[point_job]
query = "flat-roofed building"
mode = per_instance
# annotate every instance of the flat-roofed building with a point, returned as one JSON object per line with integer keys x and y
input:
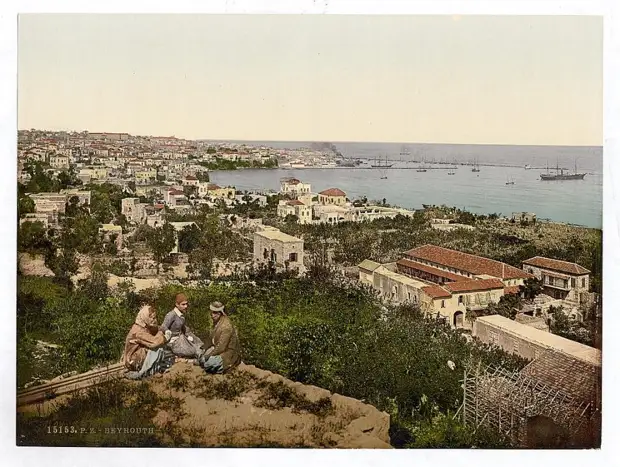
{"x": 529, "y": 342}
{"x": 273, "y": 247}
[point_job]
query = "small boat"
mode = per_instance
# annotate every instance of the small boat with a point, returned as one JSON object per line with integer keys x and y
{"x": 451, "y": 172}
{"x": 421, "y": 170}
{"x": 528, "y": 166}
{"x": 510, "y": 182}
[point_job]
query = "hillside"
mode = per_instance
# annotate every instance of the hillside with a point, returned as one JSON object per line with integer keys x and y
{"x": 186, "y": 407}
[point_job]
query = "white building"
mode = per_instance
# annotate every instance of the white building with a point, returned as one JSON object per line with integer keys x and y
{"x": 294, "y": 187}
{"x": 330, "y": 213}
{"x": 295, "y": 208}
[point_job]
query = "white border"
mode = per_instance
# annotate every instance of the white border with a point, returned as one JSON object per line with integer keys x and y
{"x": 97, "y": 456}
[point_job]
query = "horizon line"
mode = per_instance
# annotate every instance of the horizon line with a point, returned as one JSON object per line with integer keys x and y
{"x": 319, "y": 141}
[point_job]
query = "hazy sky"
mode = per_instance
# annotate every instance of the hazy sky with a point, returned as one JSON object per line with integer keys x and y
{"x": 443, "y": 79}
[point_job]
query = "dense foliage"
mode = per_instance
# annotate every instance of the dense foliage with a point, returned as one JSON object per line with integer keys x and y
{"x": 312, "y": 330}
{"x": 227, "y": 164}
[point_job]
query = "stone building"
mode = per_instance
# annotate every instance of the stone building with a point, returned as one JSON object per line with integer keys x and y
{"x": 529, "y": 342}
{"x": 279, "y": 249}
{"x": 133, "y": 210}
{"x": 561, "y": 280}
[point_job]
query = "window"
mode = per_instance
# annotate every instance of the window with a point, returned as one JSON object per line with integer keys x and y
{"x": 493, "y": 337}
{"x": 292, "y": 257}
{"x": 572, "y": 282}
{"x": 583, "y": 282}
{"x": 460, "y": 299}
{"x": 515, "y": 346}
{"x": 265, "y": 254}
{"x": 443, "y": 304}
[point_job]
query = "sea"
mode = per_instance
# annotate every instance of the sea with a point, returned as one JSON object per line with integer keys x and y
{"x": 489, "y": 191}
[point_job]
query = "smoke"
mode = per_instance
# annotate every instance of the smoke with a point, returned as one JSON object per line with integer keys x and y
{"x": 324, "y": 146}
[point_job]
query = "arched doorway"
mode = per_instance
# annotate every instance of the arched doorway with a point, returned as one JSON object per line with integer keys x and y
{"x": 457, "y": 319}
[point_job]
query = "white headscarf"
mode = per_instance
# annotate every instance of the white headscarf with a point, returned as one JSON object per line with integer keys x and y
{"x": 145, "y": 318}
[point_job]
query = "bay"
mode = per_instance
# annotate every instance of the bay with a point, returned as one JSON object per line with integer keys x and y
{"x": 572, "y": 201}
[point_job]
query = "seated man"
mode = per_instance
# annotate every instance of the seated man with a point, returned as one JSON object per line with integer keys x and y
{"x": 181, "y": 341}
{"x": 144, "y": 346}
{"x": 225, "y": 351}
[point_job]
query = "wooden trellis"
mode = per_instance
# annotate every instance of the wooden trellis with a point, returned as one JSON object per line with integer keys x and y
{"x": 504, "y": 401}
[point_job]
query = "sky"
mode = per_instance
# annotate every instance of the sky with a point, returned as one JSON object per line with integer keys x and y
{"x": 440, "y": 79}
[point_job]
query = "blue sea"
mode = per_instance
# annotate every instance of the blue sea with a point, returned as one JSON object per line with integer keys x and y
{"x": 572, "y": 201}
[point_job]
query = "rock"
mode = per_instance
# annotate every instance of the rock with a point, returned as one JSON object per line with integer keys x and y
{"x": 332, "y": 439}
{"x": 312, "y": 393}
{"x": 376, "y": 425}
{"x": 363, "y": 442}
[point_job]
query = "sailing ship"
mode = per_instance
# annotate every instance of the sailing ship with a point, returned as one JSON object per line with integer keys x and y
{"x": 476, "y": 167}
{"x": 510, "y": 181}
{"x": 379, "y": 165}
{"x": 561, "y": 175}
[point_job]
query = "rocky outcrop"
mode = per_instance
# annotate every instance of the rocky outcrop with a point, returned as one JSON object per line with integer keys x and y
{"x": 254, "y": 407}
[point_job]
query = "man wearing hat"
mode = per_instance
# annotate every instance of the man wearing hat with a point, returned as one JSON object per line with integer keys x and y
{"x": 225, "y": 351}
{"x": 181, "y": 340}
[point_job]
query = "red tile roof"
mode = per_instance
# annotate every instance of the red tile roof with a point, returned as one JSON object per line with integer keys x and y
{"x": 333, "y": 192}
{"x": 213, "y": 186}
{"x": 513, "y": 289}
{"x": 556, "y": 265}
{"x": 473, "y": 264}
{"x": 474, "y": 285}
{"x": 434, "y": 291}
{"x": 429, "y": 269}
{"x": 173, "y": 191}
{"x": 190, "y": 177}
{"x": 295, "y": 202}
{"x": 293, "y": 181}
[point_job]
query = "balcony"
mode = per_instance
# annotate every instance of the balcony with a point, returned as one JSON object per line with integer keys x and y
{"x": 558, "y": 284}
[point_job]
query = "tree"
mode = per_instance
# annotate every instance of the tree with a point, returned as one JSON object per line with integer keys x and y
{"x": 161, "y": 241}
{"x": 291, "y": 219}
{"x": 101, "y": 207}
{"x": 531, "y": 288}
{"x": 203, "y": 176}
{"x": 467, "y": 218}
{"x": 201, "y": 262}
{"x": 189, "y": 238}
{"x": 190, "y": 190}
{"x": 25, "y": 205}
{"x": 62, "y": 262}
{"x": 507, "y": 306}
{"x": 68, "y": 178}
{"x": 31, "y": 237}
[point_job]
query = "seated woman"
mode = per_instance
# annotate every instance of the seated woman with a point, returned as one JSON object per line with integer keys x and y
{"x": 181, "y": 341}
{"x": 144, "y": 352}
